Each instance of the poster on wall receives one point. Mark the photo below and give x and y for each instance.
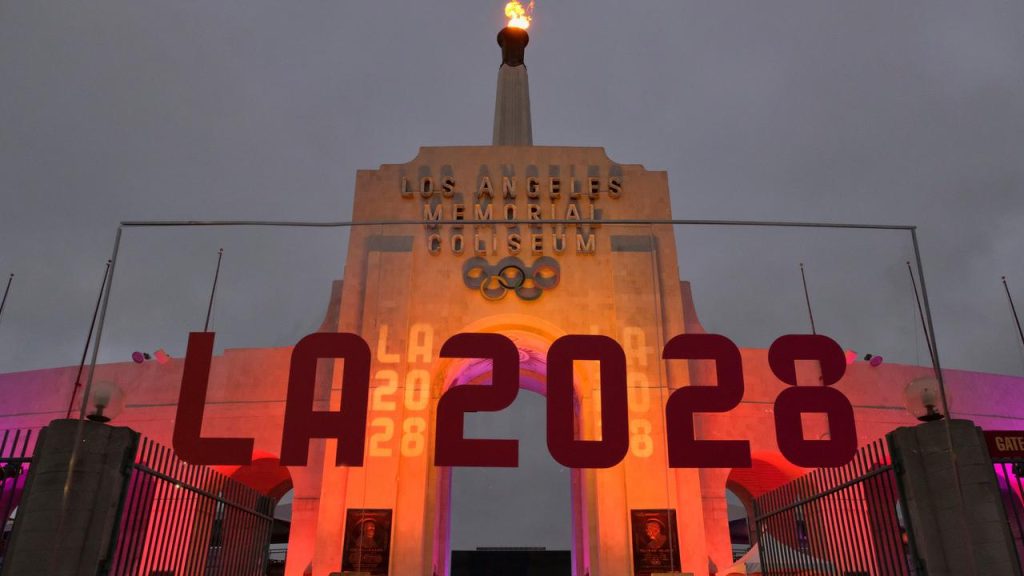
(367, 541)
(655, 541)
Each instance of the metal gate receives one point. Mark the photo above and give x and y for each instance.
(182, 519)
(15, 455)
(1009, 473)
(1006, 447)
(175, 518)
(843, 521)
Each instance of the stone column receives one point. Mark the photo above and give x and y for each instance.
(69, 533)
(512, 123)
(953, 538)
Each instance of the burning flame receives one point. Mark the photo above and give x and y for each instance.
(518, 15)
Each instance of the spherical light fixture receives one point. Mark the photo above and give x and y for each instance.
(923, 399)
(105, 402)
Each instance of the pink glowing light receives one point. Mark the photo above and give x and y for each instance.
(162, 356)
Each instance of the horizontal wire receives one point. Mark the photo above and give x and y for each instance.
(432, 223)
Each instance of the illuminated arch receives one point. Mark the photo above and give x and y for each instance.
(532, 336)
(767, 472)
(266, 475)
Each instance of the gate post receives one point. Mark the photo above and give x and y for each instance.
(44, 542)
(950, 537)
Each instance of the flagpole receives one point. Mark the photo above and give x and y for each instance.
(99, 326)
(6, 292)
(920, 312)
(213, 290)
(1013, 309)
(807, 297)
(88, 338)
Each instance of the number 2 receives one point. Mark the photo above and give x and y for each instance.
(684, 450)
(453, 448)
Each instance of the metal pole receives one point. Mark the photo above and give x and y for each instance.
(930, 330)
(213, 291)
(1013, 309)
(942, 389)
(920, 312)
(807, 297)
(7, 290)
(88, 338)
(79, 431)
(99, 326)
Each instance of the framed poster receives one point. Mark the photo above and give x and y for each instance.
(367, 541)
(655, 541)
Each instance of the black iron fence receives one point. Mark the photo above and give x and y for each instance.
(15, 456)
(842, 521)
(1010, 476)
(182, 519)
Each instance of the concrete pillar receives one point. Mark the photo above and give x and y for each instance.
(69, 534)
(968, 538)
(716, 516)
(302, 537)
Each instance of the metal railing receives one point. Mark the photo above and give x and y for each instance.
(842, 521)
(1010, 476)
(16, 448)
(180, 519)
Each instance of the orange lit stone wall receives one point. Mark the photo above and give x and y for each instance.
(406, 301)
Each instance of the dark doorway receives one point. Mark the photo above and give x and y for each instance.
(511, 562)
(525, 507)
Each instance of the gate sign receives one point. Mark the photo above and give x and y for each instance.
(1005, 444)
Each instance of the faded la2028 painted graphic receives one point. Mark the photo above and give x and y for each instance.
(348, 425)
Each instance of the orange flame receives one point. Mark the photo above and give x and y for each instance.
(518, 15)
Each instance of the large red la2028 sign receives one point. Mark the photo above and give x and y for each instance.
(348, 425)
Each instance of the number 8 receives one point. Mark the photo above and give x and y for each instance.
(795, 401)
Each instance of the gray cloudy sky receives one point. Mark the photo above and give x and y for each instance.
(834, 110)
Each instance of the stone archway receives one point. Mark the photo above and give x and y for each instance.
(266, 475)
(532, 337)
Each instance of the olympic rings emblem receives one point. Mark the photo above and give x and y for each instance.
(511, 274)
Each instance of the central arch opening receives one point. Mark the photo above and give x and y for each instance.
(513, 516)
(512, 512)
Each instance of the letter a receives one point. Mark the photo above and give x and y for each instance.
(301, 422)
